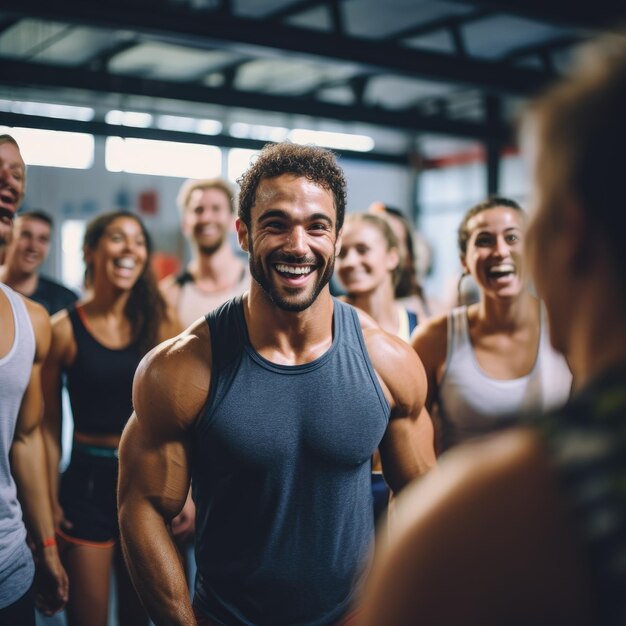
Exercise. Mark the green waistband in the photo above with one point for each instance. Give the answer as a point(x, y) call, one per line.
point(109, 453)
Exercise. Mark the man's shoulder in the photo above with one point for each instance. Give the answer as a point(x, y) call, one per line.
point(174, 377)
point(385, 349)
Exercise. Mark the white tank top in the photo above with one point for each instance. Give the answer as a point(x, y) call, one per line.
point(16, 562)
point(471, 403)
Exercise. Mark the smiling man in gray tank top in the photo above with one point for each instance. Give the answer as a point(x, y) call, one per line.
point(273, 405)
point(24, 496)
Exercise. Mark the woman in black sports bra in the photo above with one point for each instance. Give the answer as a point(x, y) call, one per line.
point(97, 345)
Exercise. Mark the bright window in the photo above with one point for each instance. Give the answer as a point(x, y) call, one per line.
point(162, 158)
point(238, 162)
point(54, 148)
point(72, 264)
point(340, 141)
point(48, 109)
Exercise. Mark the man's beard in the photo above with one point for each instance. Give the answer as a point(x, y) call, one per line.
point(298, 303)
point(210, 249)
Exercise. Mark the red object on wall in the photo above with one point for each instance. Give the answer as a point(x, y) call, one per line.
point(149, 202)
point(164, 264)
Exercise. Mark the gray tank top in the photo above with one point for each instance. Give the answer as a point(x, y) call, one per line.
point(16, 563)
point(472, 403)
point(281, 477)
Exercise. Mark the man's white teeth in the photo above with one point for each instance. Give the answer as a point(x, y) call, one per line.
point(126, 263)
point(291, 269)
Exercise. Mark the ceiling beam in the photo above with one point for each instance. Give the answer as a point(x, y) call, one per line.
point(600, 14)
point(42, 75)
point(295, 8)
point(101, 60)
point(546, 47)
point(8, 22)
point(102, 129)
point(219, 30)
point(441, 23)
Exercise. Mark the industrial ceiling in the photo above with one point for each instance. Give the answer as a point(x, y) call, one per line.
point(408, 72)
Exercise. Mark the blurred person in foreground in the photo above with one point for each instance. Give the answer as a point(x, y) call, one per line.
point(529, 527)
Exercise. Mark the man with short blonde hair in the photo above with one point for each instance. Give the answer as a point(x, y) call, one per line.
point(214, 273)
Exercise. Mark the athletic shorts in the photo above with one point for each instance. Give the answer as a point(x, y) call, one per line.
point(88, 496)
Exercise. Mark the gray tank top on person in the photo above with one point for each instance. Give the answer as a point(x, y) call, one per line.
point(281, 477)
point(471, 403)
point(16, 562)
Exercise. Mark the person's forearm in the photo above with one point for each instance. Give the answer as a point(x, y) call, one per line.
point(28, 465)
point(155, 565)
point(407, 451)
point(53, 459)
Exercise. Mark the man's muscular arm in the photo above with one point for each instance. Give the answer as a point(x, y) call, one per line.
point(170, 388)
point(406, 449)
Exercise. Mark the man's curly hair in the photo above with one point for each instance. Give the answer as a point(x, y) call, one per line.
point(316, 164)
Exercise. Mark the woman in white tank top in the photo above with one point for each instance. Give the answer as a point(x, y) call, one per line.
point(491, 360)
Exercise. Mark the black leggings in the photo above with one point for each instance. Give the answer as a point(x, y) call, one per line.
point(21, 612)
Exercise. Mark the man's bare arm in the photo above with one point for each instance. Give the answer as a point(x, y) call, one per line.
point(171, 386)
point(407, 448)
point(29, 468)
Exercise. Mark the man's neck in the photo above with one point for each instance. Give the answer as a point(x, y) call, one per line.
point(217, 270)
point(287, 337)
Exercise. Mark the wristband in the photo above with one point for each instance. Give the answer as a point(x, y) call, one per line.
point(48, 542)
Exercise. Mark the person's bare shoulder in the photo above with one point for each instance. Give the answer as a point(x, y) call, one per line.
point(397, 365)
point(473, 470)
point(40, 321)
point(169, 289)
point(63, 347)
point(172, 381)
point(430, 338)
point(487, 522)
